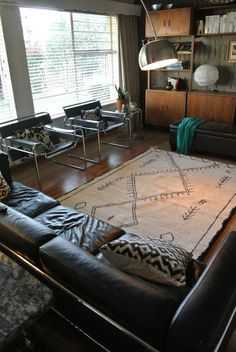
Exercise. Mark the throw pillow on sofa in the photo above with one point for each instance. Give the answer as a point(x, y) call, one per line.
point(4, 188)
point(152, 259)
point(36, 134)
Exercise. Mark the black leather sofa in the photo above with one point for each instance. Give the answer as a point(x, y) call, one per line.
point(118, 310)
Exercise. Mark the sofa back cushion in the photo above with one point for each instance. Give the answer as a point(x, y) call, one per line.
point(28, 201)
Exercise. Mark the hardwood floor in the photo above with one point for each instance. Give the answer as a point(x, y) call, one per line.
point(58, 180)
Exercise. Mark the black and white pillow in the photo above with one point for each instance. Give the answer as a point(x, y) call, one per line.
point(36, 134)
point(4, 188)
point(94, 115)
point(152, 259)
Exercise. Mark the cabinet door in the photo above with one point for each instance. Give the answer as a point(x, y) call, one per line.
point(154, 106)
point(218, 108)
point(197, 105)
point(221, 108)
point(164, 107)
point(170, 22)
point(179, 21)
point(175, 106)
point(159, 23)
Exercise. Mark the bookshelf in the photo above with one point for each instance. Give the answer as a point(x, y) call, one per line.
point(217, 19)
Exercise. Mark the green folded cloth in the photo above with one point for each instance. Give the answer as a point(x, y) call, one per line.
point(185, 134)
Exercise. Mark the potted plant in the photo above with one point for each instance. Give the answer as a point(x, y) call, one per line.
point(122, 97)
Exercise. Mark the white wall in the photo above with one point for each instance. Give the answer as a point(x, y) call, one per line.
point(100, 6)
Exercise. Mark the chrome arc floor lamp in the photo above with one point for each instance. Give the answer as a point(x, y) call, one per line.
point(156, 53)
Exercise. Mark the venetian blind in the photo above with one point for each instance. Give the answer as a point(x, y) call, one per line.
point(7, 104)
point(72, 57)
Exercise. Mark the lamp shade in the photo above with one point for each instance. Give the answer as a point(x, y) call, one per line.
point(206, 75)
point(157, 54)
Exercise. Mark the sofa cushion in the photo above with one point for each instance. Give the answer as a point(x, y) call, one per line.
point(152, 259)
point(23, 234)
point(28, 201)
point(4, 188)
point(80, 229)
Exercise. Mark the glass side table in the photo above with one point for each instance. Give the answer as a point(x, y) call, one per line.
point(135, 124)
point(23, 299)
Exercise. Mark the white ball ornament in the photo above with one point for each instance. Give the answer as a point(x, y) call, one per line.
point(206, 75)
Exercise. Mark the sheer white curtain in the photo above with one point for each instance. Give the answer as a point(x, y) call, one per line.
point(128, 51)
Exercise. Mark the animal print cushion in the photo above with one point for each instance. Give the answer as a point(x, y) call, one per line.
point(152, 259)
point(4, 188)
point(37, 134)
point(94, 115)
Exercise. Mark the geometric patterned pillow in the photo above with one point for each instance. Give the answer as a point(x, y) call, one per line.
point(152, 259)
point(4, 188)
point(36, 134)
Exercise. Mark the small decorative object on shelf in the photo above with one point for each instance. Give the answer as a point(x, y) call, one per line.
point(169, 86)
point(220, 2)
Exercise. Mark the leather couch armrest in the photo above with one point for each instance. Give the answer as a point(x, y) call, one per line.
point(23, 234)
point(144, 308)
point(202, 318)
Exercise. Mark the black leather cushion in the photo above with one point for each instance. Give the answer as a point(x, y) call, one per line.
point(211, 137)
point(4, 167)
point(23, 234)
point(82, 230)
point(214, 128)
point(28, 201)
point(143, 308)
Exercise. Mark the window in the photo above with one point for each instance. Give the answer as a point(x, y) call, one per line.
point(72, 57)
point(7, 104)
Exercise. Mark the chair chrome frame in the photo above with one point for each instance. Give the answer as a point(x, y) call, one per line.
point(118, 119)
point(36, 149)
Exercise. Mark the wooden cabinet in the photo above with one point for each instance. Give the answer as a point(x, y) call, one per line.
point(163, 107)
point(216, 107)
point(170, 22)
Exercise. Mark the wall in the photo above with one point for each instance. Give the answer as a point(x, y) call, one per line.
point(101, 6)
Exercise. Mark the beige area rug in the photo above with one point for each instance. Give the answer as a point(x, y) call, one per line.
point(164, 195)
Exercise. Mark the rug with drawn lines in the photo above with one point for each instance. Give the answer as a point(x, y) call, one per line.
point(164, 195)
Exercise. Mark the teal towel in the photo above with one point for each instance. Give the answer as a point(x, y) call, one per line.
point(185, 134)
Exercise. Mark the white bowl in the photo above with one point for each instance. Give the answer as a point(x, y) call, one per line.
point(169, 6)
point(156, 7)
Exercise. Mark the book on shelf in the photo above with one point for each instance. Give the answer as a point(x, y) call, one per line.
point(220, 24)
point(183, 48)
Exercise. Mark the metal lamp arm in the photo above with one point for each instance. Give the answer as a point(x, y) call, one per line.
point(149, 18)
